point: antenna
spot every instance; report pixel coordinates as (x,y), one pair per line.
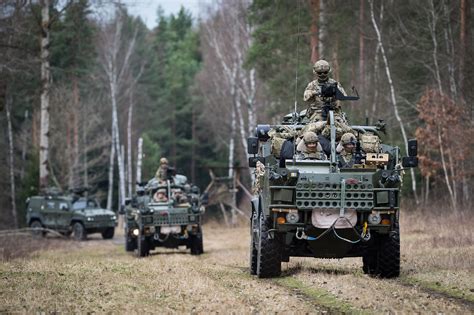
(297,54)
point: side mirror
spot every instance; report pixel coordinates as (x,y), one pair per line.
(128,201)
(252,145)
(253,160)
(410,161)
(412,147)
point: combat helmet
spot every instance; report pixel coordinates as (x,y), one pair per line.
(310,137)
(348,138)
(321,68)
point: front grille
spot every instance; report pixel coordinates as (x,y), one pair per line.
(171,219)
(326,196)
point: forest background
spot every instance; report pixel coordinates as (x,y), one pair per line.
(81,82)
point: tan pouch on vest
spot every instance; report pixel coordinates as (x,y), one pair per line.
(370,143)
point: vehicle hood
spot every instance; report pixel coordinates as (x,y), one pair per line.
(98,211)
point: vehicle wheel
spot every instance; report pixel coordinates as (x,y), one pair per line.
(143,249)
(197,247)
(268,250)
(37,229)
(389,255)
(253,246)
(369,262)
(130,244)
(108,233)
(385,260)
(79,232)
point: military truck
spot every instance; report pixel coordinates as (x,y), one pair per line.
(314,208)
(69,214)
(164,214)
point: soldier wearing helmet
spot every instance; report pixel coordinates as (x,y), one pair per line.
(309,148)
(160,195)
(345,150)
(162,171)
(321,70)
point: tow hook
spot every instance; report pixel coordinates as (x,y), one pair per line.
(301,235)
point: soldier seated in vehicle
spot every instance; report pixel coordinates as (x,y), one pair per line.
(309,148)
(179,196)
(346,151)
(160,195)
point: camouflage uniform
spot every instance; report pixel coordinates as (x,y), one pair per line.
(162,171)
(314,112)
(305,153)
(346,157)
(259,175)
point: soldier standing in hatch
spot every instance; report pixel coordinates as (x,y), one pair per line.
(309,148)
(162,171)
(312,92)
(345,150)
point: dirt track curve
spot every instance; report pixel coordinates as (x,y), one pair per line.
(98,276)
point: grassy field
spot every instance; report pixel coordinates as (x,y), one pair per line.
(55,275)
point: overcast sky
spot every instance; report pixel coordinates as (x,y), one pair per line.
(147,9)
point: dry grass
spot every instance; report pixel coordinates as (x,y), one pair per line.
(98,276)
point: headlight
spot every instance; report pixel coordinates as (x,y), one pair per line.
(90,219)
(136,232)
(292,217)
(114,217)
(375,218)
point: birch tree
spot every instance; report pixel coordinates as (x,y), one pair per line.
(46,84)
(392,93)
(115,54)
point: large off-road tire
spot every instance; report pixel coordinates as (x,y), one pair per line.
(108,233)
(79,231)
(253,245)
(37,227)
(384,260)
(269,250)
(143,248)
(130,244)
(196,240)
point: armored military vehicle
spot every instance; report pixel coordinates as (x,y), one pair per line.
(69,214)
(164,214)
(315,208)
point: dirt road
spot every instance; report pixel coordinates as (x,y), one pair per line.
(98,276)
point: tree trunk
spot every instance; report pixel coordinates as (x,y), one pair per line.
(129,145)
(322,27)
(361,45)
(193,144)
(8,106)
(392,95)
(314,30)
(139,159)
(173,136)
(230,163)
(111,170)
(462,40)
(45,82)
(84,143)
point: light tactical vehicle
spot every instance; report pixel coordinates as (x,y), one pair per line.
(164,214)
(69,214)
(314,208)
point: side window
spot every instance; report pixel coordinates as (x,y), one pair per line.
(50,205)
(80,204)
(63,206)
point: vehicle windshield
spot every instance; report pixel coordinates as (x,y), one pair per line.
(84,204)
